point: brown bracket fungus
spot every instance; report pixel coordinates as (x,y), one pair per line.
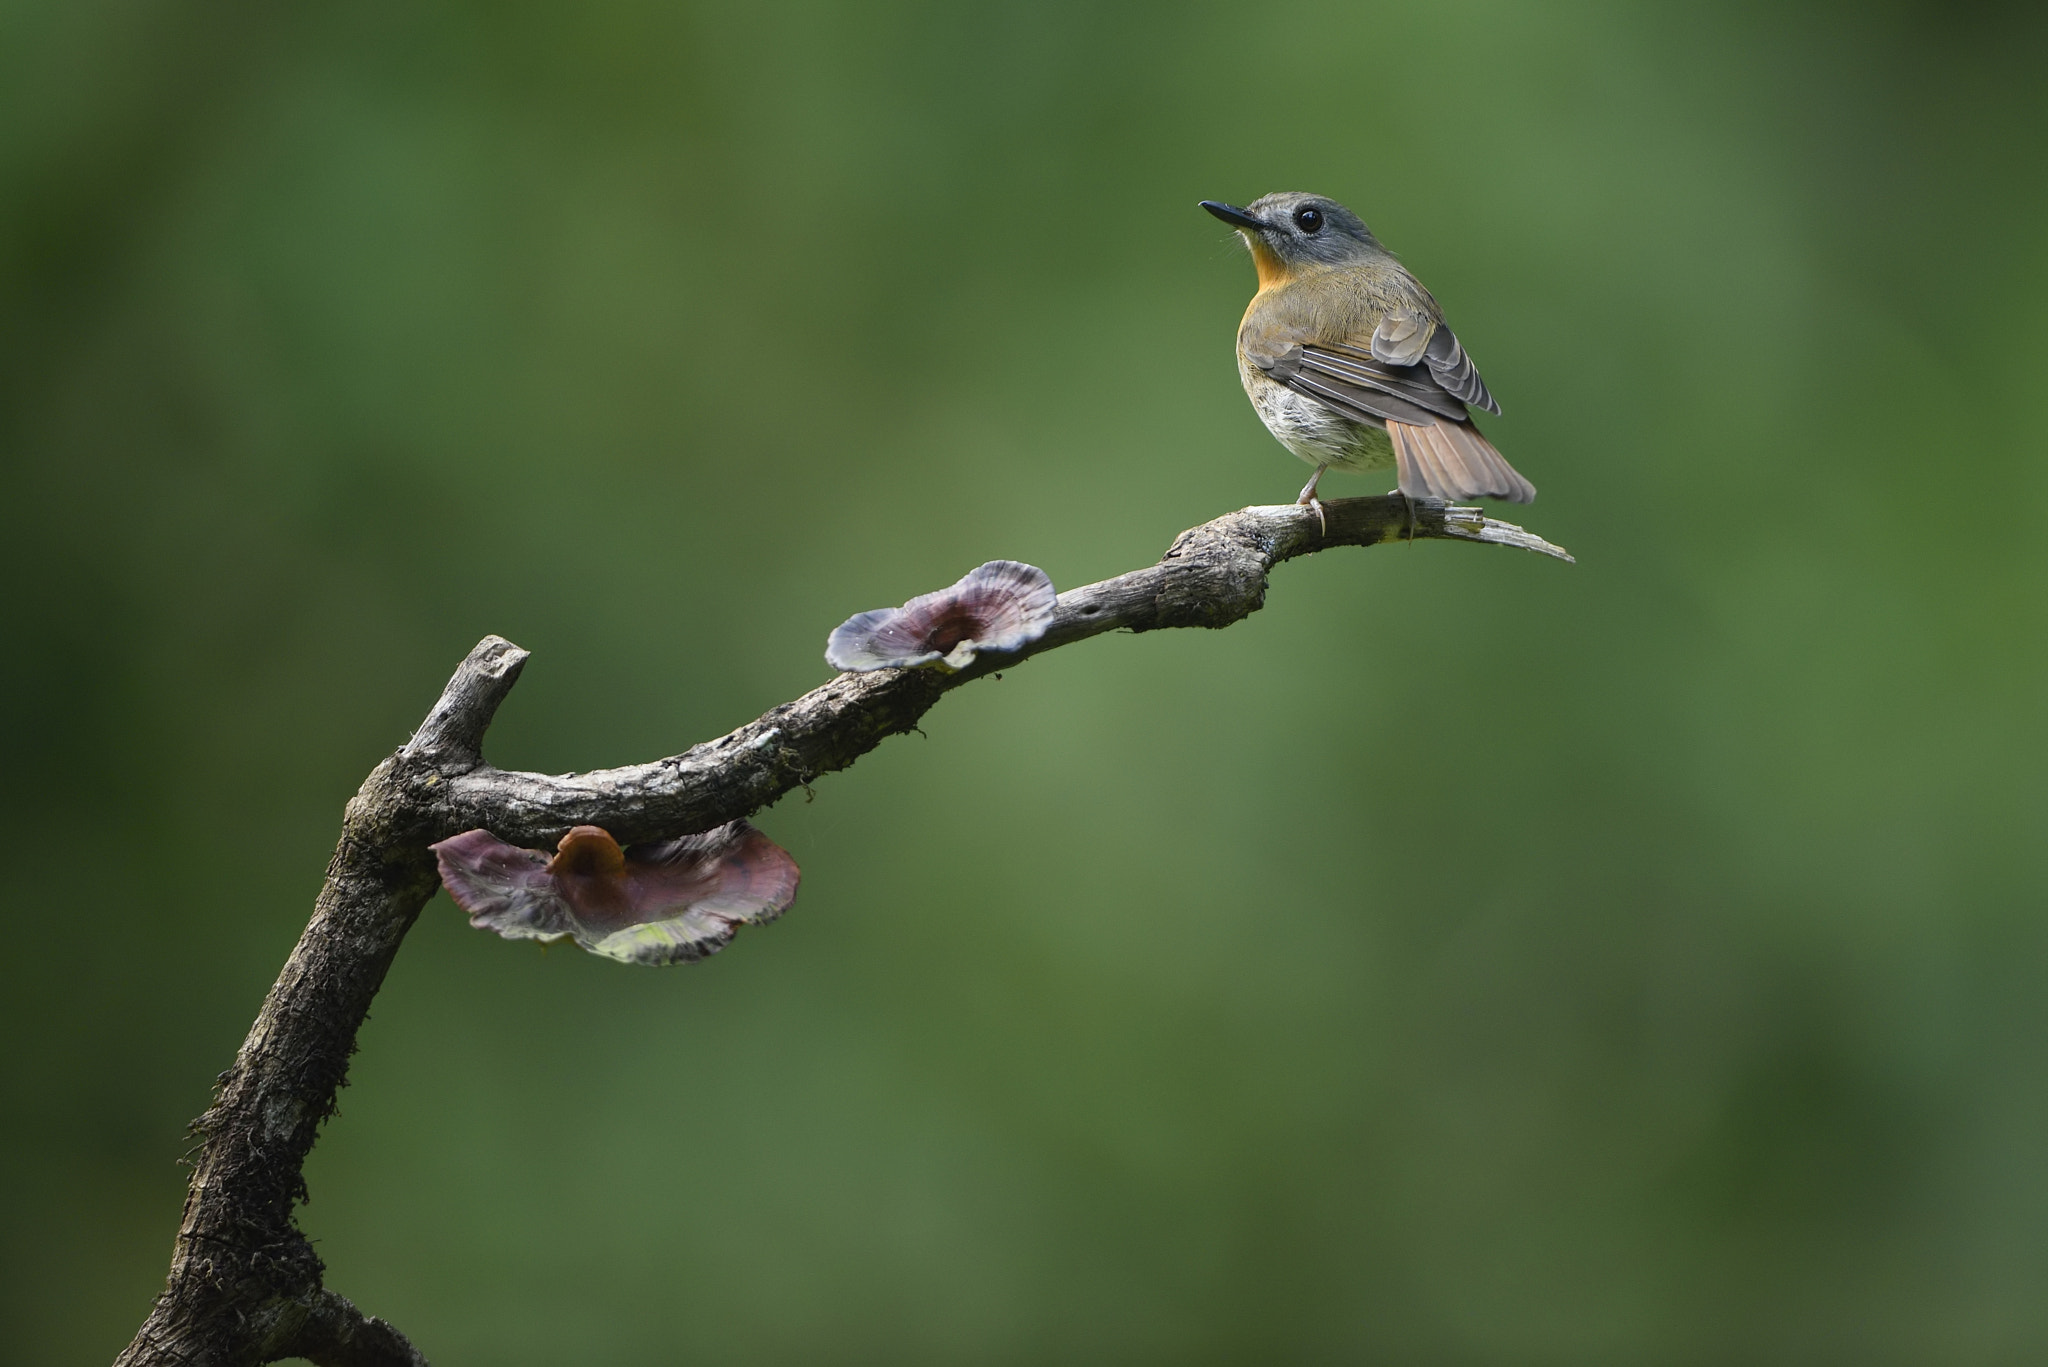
(1001,606)
(672,901)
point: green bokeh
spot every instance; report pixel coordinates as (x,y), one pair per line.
(1469,959)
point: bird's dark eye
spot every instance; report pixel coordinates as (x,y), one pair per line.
(1308,220)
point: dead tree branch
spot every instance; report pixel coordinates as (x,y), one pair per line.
(245,1285)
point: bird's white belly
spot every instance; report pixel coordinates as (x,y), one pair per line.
(1314,431)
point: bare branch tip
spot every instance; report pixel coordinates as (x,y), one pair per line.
(336,1334)
(1471,524)
(496,656)
(457,723)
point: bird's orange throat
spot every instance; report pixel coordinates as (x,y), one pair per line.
(1273,272)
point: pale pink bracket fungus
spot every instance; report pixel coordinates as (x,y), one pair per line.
(1001,606)
(674,901)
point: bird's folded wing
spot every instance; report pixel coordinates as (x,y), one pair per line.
(1362,369)
(1409,337)
(1355,384)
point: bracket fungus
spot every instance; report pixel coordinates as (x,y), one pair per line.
(1001,606)
(671,901)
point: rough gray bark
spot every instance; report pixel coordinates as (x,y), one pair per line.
(245,1285)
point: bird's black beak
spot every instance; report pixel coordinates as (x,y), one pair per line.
(1234,216)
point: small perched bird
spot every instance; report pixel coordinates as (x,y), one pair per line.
(1348,360)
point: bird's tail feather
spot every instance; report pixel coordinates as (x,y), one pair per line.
(1451,461)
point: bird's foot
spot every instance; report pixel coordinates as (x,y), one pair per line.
(1308,499)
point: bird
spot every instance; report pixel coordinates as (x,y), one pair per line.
(1349,362)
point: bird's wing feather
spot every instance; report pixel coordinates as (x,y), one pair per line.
(1454,370)
(1402,336)
(1361,369)
(1304,371)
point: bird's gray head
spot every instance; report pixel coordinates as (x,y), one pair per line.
(1298,230)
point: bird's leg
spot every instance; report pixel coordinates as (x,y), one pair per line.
(1308,497)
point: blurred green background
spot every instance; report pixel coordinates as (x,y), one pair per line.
(1470,959)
